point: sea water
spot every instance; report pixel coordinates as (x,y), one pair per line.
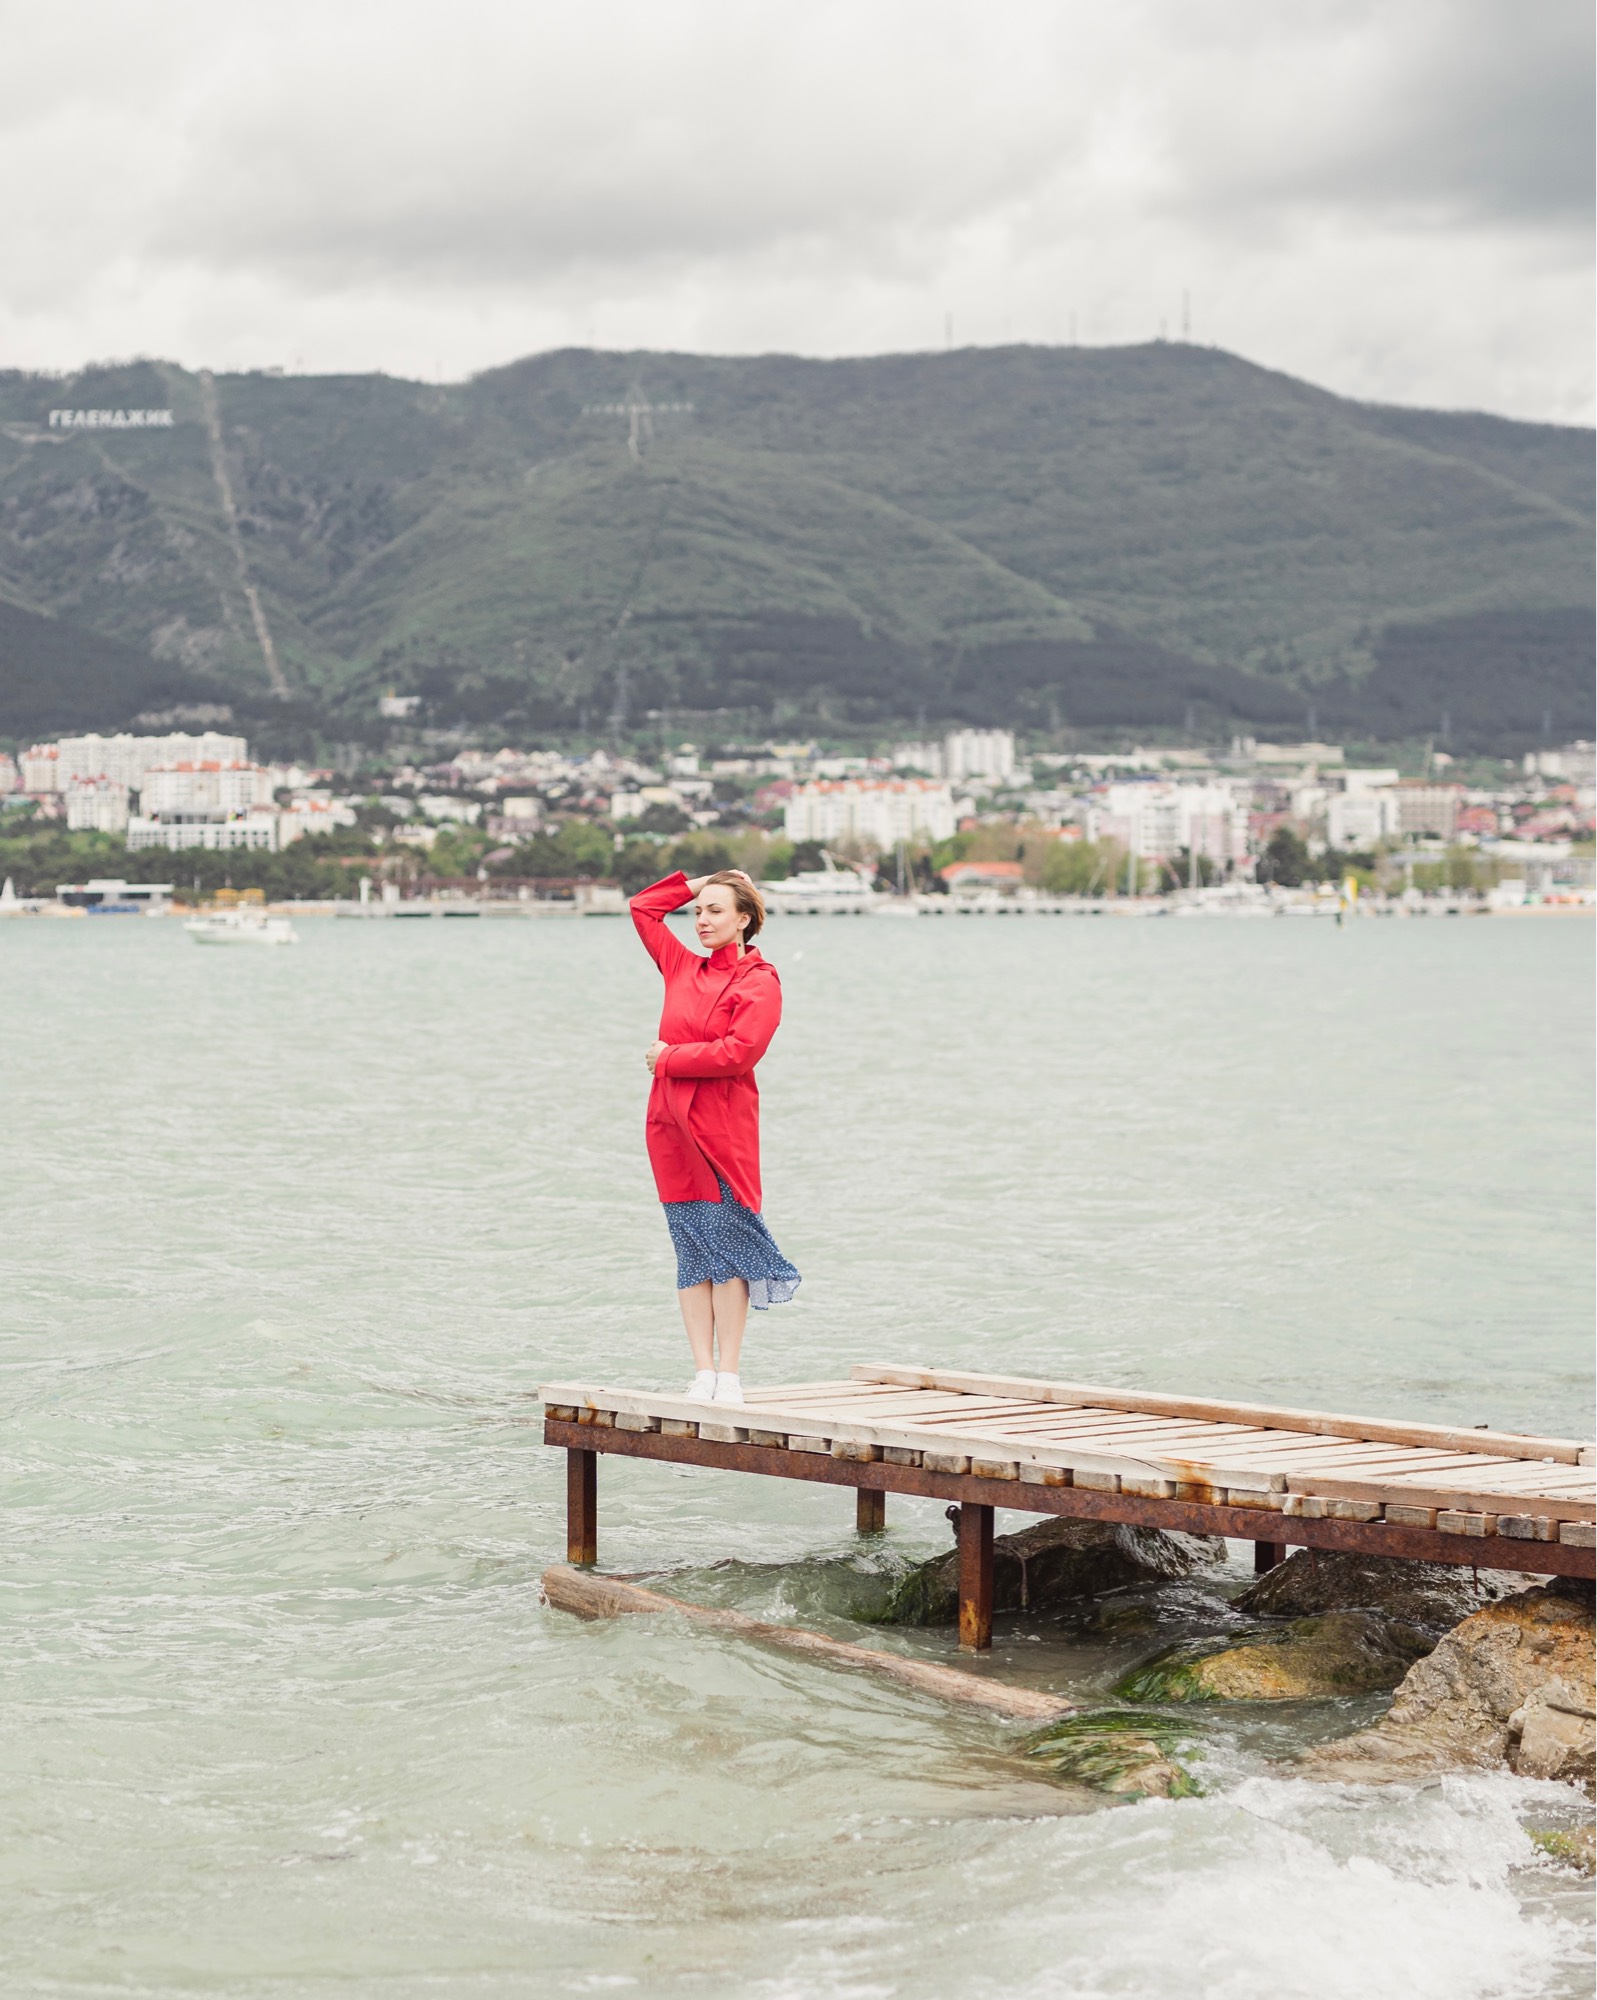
(291,1237)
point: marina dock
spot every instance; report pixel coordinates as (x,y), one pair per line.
(1275,1477)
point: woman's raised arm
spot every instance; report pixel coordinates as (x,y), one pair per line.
(650,907)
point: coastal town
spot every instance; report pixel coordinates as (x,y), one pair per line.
(973,820)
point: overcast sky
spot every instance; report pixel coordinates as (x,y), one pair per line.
(1389,197)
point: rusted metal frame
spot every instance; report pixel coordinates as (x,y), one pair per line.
(975,1531)
(582,1503)
(1080,1503)
(870,1510)
(1266,1555)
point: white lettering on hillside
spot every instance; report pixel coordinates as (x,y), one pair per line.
(110,420)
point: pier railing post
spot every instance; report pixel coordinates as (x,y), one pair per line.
(870,1510)
(975,1577)
(582,1507)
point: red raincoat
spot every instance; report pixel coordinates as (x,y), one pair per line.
(719,1016)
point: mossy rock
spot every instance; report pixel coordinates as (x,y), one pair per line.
(1576,1849)
(1053,1564)
(1344,1652)
(1512,1685)
(1431,1596)
(1120,1751)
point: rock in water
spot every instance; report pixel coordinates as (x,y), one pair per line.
(1511,1685)
(1128,1754)
(1344,1652)
(1433,1597)
(1053,1564)
(1576,1850)
(1356,1625)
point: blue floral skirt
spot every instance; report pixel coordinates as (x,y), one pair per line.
(721,1240)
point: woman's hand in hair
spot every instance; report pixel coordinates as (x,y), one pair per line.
(697,882)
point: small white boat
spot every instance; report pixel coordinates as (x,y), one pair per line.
(821,891)
(240,927)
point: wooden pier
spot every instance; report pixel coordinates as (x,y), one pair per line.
(1489,1499)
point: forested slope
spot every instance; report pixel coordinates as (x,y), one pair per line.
(1163,536)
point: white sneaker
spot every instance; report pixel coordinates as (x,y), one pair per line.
(702,1388)
(728,1389)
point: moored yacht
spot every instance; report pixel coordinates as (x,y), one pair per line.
(240,927)
(821,890)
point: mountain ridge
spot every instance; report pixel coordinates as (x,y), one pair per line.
(1160,537)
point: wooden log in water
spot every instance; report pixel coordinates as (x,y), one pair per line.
(605,1597)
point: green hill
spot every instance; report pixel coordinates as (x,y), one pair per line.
(1155,537)
(55,676)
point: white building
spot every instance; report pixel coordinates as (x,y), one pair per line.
(1575,764)
(1157,821)
(293,778)
(1427,808)
(125,758)
(111,892)
(209,785)
(881,812)
(632,805)
(444,805)
(979,753)
(1359,819)
(41,767)
(10,776)
(926,757)
(312,815)
(1301,754)
(96,805)
(251,830)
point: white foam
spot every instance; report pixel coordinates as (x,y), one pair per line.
(1294,1891)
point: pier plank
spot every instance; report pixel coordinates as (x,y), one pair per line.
(1032,1439)
(645,1409)
(1383,1429)
(1134,1433)
(1415,1493)
(1528,1478)
(811,1394)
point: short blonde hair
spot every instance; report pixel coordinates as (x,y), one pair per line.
(748,900)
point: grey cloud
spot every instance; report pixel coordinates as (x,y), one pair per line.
(417,189)
(1468,110)
(563,153)
(558,147)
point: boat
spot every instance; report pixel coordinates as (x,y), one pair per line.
(821,891)
(240,927)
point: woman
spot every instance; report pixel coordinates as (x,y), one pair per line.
(704,1115)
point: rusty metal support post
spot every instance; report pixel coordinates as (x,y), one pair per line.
(975,1577)
(582,1507)
(870,1510)
(1266,1555)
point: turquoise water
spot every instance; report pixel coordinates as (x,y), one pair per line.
(291,1238)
